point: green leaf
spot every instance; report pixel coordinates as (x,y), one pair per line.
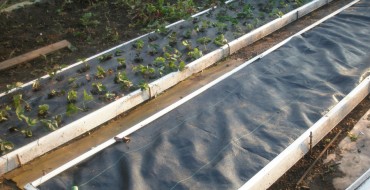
(43,109)
(58,119)
(72,96)
(144,85)
(5,146)
(181,65)
(99,86)
(72,109)
(28,120)
(27,132)
(17,100)
(51,124)
(19,112)
(87,97)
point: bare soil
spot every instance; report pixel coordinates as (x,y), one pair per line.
(91,26)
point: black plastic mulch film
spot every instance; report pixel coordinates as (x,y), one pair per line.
(224,136)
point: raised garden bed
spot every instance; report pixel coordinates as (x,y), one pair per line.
(89,93)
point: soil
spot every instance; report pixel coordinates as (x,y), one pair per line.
(322,175)
(109,23)
(53,29)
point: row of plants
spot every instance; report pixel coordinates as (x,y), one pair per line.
(73,93)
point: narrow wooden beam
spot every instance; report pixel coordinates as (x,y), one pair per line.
(34,54)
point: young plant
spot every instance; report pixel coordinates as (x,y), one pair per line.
(52,71)
(143,85)
(105,57)
(203,26)
(195,54)
(53,93)
(172,39)
(86,97)
(138,58)
(153,49)
(172,66)
(71,80)
(204,40)
(72,96)
(122,79)
(221,27)
(118,53)
(152,38)
(146,71)
(72,109)
(247,12)
(100,72)
(43,110)
(181,65)
(50,124)
(109,96)
(162,30)
(85,66)
(276,13)
(12,86)
(187,44)
(220,40)
(36,86)
(159,61)
(98,88)
(18,100)
(27,133)
(121,63)
(87,20)
(187,34)
(5,146)
(4,113)
(298,3)
(138,45)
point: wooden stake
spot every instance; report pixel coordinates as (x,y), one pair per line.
(317,159)
(34,54)
(311,142)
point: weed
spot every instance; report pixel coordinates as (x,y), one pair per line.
(87,20)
